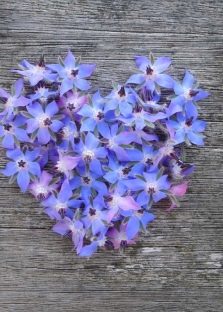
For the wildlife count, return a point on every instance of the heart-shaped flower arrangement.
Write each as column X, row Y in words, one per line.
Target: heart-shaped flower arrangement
column 98, row 164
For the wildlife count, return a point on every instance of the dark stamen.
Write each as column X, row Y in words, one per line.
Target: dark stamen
column 189, row 122
column 121, row 92
column 22, row 163
column 71, row 106
column 193, row 93
column 92, row 211
column 86, row 180
column 100, row 115
column 126, row 170
column 7, row 127
column 47, row 122
column 149, row 70
column 74, row 72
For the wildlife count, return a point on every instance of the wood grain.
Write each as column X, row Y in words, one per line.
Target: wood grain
column 177, row 265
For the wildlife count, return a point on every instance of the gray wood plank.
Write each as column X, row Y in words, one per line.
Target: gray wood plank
column 177, row 265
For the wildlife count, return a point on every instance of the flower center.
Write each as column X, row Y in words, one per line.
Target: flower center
column 7, row 127
column 86, row 180
column 88, row 155
column 44, row 121
column 151, row 187
column 21, row 163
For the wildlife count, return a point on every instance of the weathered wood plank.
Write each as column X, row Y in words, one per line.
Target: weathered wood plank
column 177, row 265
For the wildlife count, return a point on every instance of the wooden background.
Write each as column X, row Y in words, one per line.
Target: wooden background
column 177, row 266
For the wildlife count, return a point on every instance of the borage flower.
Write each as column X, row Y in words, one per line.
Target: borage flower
column 71, row 74
column 23, row 166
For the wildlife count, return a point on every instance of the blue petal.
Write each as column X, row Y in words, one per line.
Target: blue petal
column 10, row 169
column 56, row 125
column 195, row 138
column 34, row 168
column 66, row 85
column 134, row 184
column 52, row 108
column 158, row 196
column 132, row 227
column 21, row 135
column 104, row 130
column 88, row 250
column 111, row 177
column 125, row 108
column 143, row 198
column 82, row 84
column 95, row 166
column 164, row 80
column 91, row 141
column 69, row 60
column 65, row 192
column 23, row 180
column 8, row 141
column 86, row 70
column 188, row 80
column 88, row 124
column 43, row 135
column 86, row 111
column 136, row 79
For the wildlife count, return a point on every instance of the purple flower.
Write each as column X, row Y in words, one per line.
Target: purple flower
column 43, row 186
column 116, row 201
column 14, row 100
column 72, row 228
column 35, row 73
column 23, row 166
column 43, row 122
column 72, row 102
column 152, row 73
column 119, row 237
column 66, row 163
column 71, row 74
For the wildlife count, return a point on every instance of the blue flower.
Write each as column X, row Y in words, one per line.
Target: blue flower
column 11, row 133
column 152, row 73
column 149, row 187
column 23, row 166
column 188, row 93
column 120, row 99
column 137, row 220
column 115, row 141
column 90, row 151
column 93, row 114
column 42, row 122
column 60, row 205
column 188, row 128
column 13, row 101
column 35, row 73
column 71, row 74
column 95, row 216
column 42, row 94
